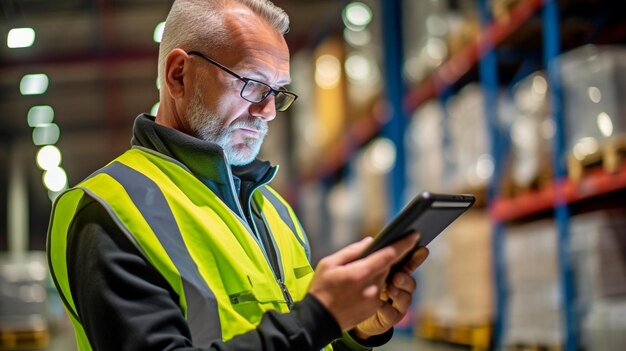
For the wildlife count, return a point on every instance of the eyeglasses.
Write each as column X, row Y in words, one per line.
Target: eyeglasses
column 255, row 91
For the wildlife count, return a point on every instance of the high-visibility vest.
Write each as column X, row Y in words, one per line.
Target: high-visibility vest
column 207, row 253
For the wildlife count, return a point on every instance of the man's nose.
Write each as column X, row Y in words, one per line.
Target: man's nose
column 265, row 110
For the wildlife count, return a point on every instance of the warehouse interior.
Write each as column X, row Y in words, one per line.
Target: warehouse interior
column 518, row 102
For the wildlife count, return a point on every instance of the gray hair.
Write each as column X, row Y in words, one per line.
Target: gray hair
column 191, row 22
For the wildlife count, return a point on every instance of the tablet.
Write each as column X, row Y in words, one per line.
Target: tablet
column 429, row 214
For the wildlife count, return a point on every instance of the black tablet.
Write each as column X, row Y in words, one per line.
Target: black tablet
column 429, row 214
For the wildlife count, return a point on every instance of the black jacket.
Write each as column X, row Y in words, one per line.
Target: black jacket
column 125, row 304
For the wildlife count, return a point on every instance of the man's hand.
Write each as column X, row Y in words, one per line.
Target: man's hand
column 396, row 299
column 351, row 289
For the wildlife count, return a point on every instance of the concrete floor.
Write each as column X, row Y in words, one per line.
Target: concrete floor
column 410, row 343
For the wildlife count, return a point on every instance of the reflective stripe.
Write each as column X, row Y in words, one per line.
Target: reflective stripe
column 203, row 318
column 283, row 212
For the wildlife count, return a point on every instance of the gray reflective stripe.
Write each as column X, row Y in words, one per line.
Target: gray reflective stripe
column 283, row 212
column 202, row 312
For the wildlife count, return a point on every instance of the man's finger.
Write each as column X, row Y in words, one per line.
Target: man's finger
column 401, row 300
column 404, row 281
column 384, row 258
column 418, row 258
column 350, row 252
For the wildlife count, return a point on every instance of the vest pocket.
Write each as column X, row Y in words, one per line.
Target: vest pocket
column 302, row 271
column 251, row 306
column 244, row 296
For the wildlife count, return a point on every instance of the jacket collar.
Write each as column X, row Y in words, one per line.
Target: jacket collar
column 206, row 160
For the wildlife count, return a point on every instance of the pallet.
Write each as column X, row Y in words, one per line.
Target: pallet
column 610, row 156
column 24, row 339
column 534, row 348
column 544, row 177
column 477, row 337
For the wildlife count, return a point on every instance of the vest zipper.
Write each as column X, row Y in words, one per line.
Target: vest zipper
column 286, row 293
column 271, row 257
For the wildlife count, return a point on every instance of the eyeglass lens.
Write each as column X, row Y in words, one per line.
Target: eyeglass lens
column 256, row 92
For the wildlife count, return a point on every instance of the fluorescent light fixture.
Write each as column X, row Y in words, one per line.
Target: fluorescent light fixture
column 55, row 179
column 356, row 15
column 357, row 38
column 358, row 68
column 158, row 32
column 34, row 84
column 46, row 134
column 20, row 38
column 39, row 115
column 48, row 157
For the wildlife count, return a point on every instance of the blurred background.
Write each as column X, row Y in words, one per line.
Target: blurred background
column 518, row 102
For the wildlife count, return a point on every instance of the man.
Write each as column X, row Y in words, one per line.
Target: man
column 180, row 244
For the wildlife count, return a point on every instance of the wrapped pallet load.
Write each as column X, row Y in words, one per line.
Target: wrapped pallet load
column 599, row 252
column 594, row 83
column 533, row 315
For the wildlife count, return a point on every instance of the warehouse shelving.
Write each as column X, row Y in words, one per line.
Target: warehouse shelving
column 529, row 20
column 596, row 183
column 451, row 71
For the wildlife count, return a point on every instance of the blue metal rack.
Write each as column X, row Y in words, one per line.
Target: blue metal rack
column 397, row 124
column 552, row 48
column 488, row 68
column 489, row 80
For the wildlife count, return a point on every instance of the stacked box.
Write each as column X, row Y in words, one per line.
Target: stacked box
column 456, row 280
column 599, row 249
column 599, row 252
column 531, row 131
column 533, row 303
column 594, row 83
column 470, row 153
column 23, row 298
column 470, row 273
column 425, row 154
column 434, row 296
column 604, row 327
column 470, row 149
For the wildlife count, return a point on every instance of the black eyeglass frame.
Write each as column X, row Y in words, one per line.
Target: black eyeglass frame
column 291, row 97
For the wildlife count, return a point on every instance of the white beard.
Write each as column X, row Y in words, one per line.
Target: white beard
column 209, row 127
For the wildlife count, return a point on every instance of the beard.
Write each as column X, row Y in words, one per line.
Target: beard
column 207, row 126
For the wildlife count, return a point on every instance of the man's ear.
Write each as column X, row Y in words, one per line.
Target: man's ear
column 176, row 65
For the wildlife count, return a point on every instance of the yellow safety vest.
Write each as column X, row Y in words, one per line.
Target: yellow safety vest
column 205, row 251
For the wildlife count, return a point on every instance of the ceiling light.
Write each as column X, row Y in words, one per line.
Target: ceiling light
column 357, row 38
column 34, row 84
column 356, row 15
column 46, row 134
column 48, row 157
column 40, row 115
column 158, row 32
column 55, row 179
column 359, row 68
column 20, row 38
